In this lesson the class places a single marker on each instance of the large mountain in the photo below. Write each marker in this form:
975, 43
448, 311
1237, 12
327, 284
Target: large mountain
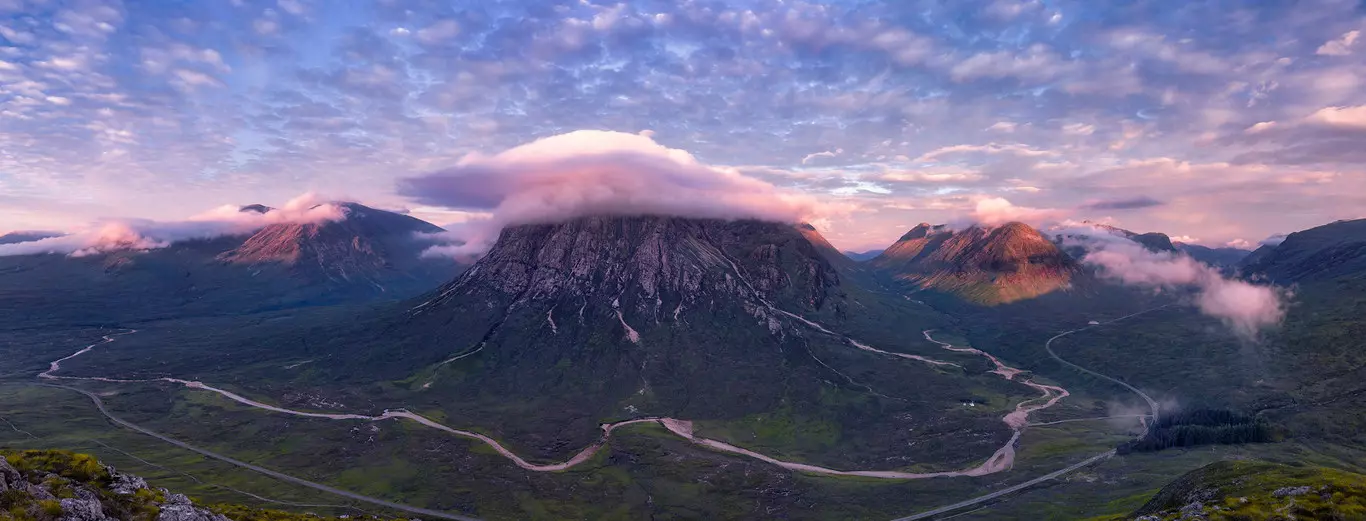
986, 265
561, 327
371, 254
369, 246
1326, 252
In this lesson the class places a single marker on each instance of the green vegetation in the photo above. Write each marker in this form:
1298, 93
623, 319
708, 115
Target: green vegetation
61, 475
1202, 427
1256, 490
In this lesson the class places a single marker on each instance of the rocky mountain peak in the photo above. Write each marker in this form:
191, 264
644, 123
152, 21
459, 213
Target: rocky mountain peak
366, 241
651, 264
985, 264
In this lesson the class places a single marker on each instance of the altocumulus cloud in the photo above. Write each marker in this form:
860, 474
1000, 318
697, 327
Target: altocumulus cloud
136, 234
590, 172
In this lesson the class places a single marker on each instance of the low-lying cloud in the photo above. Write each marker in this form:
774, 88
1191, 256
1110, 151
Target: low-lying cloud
1246, 308
590, 172
137, 234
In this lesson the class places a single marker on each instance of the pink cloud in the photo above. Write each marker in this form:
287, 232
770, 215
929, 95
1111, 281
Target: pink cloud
994, 211
599, 173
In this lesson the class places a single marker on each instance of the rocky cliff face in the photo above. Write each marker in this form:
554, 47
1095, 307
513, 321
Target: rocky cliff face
985, 265
651, 268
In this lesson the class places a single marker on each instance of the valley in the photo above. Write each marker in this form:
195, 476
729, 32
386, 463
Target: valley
272, 391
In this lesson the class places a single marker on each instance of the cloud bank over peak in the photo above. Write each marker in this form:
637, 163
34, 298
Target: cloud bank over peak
111, 235
590, 172
1246, 308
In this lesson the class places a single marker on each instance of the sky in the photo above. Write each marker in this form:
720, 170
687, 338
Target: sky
1219, 122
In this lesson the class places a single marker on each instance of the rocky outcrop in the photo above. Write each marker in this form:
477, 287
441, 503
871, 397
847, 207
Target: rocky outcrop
75, 487
177, 507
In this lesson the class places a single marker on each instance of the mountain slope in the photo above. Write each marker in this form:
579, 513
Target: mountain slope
1259, 490
984, 265
1326, 252
366, 246
1217, 257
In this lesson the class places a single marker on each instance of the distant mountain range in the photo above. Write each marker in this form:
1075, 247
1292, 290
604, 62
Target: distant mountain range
862, 256
1218, 257
18, 237
371, 254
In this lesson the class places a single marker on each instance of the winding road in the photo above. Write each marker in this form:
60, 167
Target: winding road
1003, 459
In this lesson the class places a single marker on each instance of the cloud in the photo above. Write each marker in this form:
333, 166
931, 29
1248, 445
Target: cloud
136, 234
1273, 240
1129, 203
590, 172
995, 211
1341, 117
1339, 47
809, 157
1246, 308
1016, 149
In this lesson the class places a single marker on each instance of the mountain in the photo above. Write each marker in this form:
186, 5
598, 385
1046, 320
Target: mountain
1152, 241
1323, 253
27, 236
370, 255
562, 327
985, 265
862, 256
365, 247
1217, 257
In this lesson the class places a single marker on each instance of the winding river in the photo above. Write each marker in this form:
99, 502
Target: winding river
1003, 459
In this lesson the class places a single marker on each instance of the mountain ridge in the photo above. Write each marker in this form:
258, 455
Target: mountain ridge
986, 265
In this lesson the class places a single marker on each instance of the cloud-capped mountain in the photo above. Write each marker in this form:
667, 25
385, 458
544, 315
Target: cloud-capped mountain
365, 246
988, 265
562, 326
